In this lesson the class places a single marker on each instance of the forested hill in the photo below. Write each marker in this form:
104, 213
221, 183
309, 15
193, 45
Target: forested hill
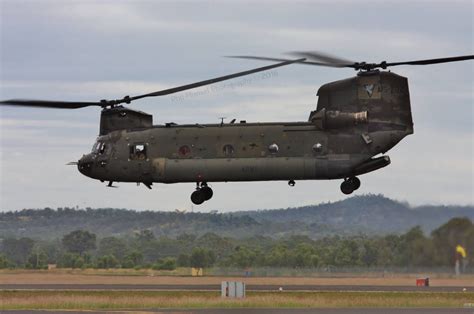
368, 214
364, 214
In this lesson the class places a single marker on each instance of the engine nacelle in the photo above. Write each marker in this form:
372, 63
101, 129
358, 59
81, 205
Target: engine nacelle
122, 118
328, 119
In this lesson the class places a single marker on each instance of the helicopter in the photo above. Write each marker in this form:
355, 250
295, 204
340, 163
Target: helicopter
356, 121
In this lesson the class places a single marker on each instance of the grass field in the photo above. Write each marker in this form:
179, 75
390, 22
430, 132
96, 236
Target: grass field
89, 300
91, 276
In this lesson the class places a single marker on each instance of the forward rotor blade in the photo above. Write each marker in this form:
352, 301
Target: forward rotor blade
432, 61
49, 103
128, 99
323, 58
215, 80
282, 59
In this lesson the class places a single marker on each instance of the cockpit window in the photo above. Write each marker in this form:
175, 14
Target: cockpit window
138, 152
95, 147
99, 148
102, 148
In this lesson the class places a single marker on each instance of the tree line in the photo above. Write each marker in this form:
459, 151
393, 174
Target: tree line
82, 249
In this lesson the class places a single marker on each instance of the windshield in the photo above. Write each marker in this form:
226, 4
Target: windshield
95, 147
99, 148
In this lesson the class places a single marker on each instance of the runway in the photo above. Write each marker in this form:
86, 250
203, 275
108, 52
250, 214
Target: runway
250, 287
264, 311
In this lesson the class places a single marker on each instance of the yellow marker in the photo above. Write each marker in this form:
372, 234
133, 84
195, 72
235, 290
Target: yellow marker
461, 250
196, 272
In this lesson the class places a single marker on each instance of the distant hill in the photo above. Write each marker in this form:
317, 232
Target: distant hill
368, 214
362, 214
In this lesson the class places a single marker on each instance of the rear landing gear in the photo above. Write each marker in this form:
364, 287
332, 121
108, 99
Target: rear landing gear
203, 193
350, 185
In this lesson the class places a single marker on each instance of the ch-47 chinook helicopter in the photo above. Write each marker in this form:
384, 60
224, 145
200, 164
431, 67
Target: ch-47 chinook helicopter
356, 120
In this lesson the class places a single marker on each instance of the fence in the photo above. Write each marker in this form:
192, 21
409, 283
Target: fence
331, 271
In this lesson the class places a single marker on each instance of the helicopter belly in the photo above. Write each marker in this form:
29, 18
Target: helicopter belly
239, 169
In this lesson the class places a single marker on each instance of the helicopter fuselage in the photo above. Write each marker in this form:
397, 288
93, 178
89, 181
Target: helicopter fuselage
356, 120
236, 152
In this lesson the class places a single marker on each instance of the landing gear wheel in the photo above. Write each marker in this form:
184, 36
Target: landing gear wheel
206, 192
355, 182
350, 185
346, 187
197, 197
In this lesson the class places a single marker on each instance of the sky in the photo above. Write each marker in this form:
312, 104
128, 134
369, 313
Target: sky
91, 50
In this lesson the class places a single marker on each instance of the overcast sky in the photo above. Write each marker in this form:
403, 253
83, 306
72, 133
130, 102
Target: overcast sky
90, 50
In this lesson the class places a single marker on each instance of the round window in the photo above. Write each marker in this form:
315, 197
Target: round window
184, 150
273, 148
317, 148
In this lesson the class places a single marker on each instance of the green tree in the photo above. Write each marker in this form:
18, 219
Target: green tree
107, 261
79, 241
167, 263
186, 238
405, 250
305, 255
17, 250
145, 236
4, 262
132, 259
202, 258
219, 245
243, 257
112, 246
71, 260
37, 260
279, 256
369, 253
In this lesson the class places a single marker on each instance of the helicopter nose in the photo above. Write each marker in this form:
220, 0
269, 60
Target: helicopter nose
84, 165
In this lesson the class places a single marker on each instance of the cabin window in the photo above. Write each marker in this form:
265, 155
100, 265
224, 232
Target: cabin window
273, 148
228, 150
184, 151
138, 152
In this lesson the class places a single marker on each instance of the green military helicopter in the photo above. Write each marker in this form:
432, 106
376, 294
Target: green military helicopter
356, 120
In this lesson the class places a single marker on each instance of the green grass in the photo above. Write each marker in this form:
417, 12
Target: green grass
88, 300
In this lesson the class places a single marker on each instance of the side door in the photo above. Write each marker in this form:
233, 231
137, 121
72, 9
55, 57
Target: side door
139, 161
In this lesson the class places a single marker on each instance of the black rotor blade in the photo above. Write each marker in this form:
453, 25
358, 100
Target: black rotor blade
49, 103
128, 99
282, 59
432, 61
215, 80
324, 58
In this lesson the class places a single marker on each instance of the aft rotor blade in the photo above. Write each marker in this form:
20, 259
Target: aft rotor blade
324, 58
49, 103
214, 80
432, 61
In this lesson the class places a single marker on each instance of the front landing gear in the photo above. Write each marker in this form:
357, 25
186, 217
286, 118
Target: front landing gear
350, 185
203, 193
